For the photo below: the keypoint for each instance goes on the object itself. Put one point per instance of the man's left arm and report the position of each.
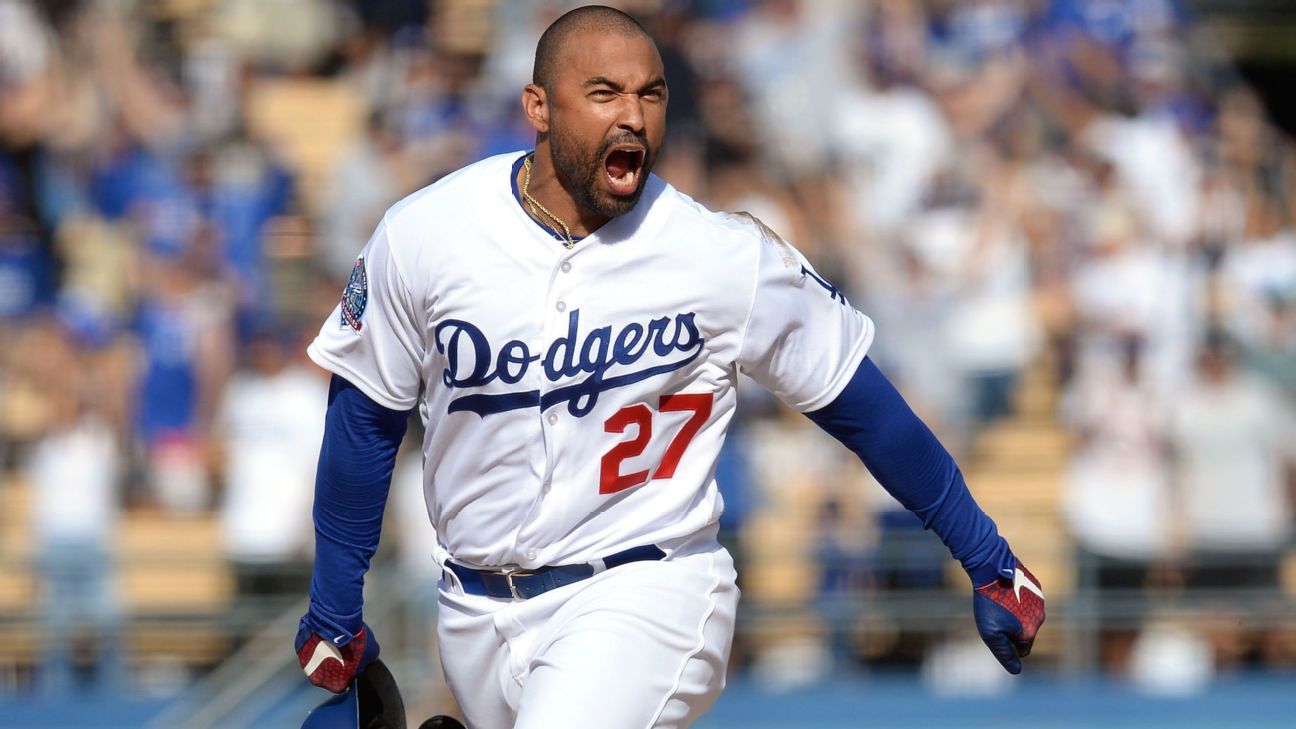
(871, 418)
(807, 345)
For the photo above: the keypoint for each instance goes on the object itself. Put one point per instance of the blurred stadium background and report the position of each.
(1071, 219)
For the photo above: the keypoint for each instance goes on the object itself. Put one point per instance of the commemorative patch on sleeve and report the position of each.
(355, 296)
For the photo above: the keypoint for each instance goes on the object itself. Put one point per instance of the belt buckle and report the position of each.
(508, 577)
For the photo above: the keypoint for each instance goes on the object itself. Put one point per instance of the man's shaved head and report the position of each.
(590, 18)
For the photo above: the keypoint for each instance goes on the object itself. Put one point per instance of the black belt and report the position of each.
(526, 584)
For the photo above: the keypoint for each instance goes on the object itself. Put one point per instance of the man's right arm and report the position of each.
(352, 480)
(373, 344)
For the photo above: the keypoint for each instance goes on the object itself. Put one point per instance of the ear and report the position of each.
(535, 104)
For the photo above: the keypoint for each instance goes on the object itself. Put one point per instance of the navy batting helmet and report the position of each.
(372, 702)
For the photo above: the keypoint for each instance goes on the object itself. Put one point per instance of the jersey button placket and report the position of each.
(560, 285)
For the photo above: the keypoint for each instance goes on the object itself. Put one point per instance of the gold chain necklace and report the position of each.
(537, 208)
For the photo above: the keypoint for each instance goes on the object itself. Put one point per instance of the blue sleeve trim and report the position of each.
(873, 420)
(356, 461)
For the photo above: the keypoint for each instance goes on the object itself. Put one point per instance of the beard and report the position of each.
(579, 174)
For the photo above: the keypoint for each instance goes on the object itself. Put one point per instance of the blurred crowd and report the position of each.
(1079, 188)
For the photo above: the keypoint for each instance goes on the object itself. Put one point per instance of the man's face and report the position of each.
(607, 119)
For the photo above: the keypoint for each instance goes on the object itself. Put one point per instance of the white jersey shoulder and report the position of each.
(733, 232)
(454, 189)
(435, 214)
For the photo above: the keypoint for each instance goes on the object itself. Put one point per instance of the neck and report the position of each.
(548, 189)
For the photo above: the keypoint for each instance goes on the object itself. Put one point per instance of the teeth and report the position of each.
(631, 176)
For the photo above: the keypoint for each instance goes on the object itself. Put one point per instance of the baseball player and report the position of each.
(570, 328)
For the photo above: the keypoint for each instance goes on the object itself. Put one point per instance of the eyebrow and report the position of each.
(605, 81)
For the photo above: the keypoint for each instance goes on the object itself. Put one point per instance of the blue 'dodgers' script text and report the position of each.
(471, 361)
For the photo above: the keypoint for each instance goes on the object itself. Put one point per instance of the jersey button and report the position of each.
(553, 418)
(547, 487)
(531, 554)
(566, 267)
(561, 306)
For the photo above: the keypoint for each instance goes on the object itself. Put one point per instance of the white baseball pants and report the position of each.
(638, 646)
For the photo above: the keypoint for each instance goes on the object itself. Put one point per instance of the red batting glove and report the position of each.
(330, 666)
(1008, 612)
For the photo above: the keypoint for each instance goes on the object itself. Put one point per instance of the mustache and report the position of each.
(626, 138)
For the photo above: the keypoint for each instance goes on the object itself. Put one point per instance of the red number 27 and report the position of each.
(611, 480)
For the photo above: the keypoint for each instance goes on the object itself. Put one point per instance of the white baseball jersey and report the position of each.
(575, 400)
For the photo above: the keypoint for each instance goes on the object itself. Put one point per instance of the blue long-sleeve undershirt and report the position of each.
(873, 420)
(356, 460)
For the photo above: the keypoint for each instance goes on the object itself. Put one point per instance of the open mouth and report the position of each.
(623, 166)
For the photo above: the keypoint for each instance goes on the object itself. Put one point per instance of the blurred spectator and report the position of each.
(185, 335)
(1117, 492)
(289, 34)
(24, 46)
(27, 54)
(1258, 271)
(1272, 354)
(75, 471)
(241, 186)
(269, 423)
(892, 140)
(1234, 443)
(1117, 498)
(1127, 287)
(362, 184)
(844, 560)
(909, 302)
(790, 57)
(1155, 169)
(979, 29)
(26, 271)
(1095, 44)
(971, 245)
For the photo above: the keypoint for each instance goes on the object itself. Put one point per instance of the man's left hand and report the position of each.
(1009, 611)
(332, 666)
